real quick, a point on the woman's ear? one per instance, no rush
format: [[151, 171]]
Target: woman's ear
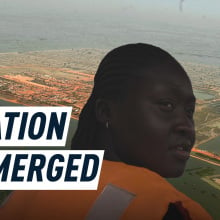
[[103, 110]]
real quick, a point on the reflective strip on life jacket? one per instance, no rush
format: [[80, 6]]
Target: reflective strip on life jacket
[[110, 204]]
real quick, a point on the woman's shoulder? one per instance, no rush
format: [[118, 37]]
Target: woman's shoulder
[[152, 193]]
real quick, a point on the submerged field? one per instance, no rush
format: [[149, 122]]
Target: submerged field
[[193, 185]]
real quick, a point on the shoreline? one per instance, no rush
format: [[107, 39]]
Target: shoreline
[[105, 50], [54, 50]]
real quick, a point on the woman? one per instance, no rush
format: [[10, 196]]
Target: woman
[[141, 113], [140, 110]]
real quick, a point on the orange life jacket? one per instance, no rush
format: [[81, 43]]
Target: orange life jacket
[[153, 194]]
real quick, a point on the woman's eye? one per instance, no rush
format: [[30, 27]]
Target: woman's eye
[[167, 106]]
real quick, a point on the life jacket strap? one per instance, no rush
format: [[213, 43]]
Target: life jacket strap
[[110, 204]]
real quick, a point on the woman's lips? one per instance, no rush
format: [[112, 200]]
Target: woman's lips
[[181, 153]]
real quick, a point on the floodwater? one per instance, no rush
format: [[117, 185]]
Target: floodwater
[[202, 95], [212, 145]]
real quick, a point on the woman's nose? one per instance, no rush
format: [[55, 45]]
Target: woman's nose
[[185, 127]]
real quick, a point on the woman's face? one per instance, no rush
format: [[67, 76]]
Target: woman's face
[[153, 126]]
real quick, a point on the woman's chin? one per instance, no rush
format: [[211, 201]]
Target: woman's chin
[[173, 174]]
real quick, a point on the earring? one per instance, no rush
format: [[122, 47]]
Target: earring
[[107, 124]]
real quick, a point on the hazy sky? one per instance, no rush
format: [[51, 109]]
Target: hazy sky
[[196, 7], [183, 12]]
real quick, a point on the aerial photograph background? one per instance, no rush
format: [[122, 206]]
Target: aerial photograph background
[[50, 50]]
